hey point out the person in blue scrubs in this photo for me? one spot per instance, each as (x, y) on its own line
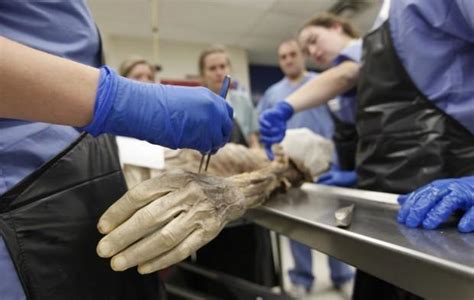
(443, 76)
(415, 117)
(331, 42)
(54, 181)
(415, 106)
(320, 40)
(292, 64)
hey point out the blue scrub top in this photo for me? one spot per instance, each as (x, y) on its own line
(316, 119)
(345, 108)
(63, 28)
(435, 43)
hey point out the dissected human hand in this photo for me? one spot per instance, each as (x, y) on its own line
(232, 159)
(163, 220)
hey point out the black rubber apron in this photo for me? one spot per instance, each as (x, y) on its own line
(345, 141)
(405, 141)
(49, 219)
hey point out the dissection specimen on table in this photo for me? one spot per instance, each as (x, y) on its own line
(163, 220)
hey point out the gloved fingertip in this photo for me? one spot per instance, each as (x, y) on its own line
(412, 221)
(410, 224)
(465, 228)
(405, 208)
(400, 218)
(402, 199)
(269, 152)
(466, 224)
(430, 223)
(324, 177)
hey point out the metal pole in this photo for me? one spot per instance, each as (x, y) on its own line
(155, 30)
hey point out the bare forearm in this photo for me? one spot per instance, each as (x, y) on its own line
(37, 86)
(325, 87)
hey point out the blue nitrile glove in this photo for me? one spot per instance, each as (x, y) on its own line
(171, 116)
(434, 203)
(338, 177)
(273, 125)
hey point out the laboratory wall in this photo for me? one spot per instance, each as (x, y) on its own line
(178, 59)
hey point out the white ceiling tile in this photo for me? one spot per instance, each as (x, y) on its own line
(249, 4)
(301, 8)
(276, 25)
(256, 25)
(207, 17)
(190, 34)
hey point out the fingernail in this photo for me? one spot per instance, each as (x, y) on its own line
(104, 249)
(103, 227)
(119, 263)
(144, 269)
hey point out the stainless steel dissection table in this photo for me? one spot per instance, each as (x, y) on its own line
(435, 264)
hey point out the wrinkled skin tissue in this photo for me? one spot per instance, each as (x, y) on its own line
(163, 220)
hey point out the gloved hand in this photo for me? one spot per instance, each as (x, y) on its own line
(337, 177)
(171, 116)
(273, 125)
(432, 204)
